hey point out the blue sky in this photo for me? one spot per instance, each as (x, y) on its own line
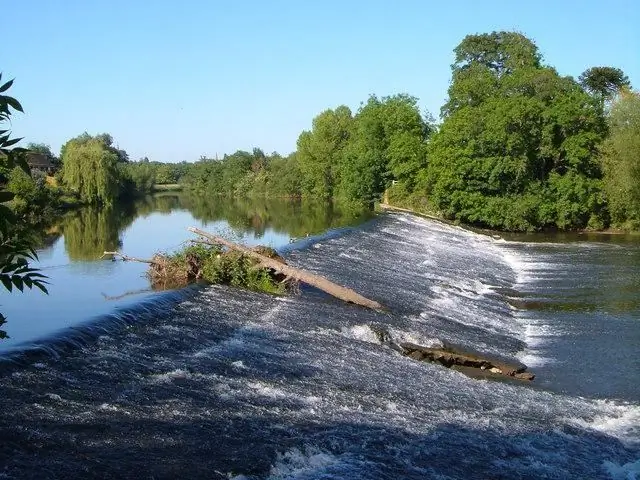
(176, 80)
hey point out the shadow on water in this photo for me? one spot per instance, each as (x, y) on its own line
(165, 449)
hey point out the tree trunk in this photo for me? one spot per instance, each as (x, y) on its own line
(321, 283)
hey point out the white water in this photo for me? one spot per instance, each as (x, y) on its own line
(241, 385)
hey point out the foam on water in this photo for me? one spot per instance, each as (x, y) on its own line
(249, 386)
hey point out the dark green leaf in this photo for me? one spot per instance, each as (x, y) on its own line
(12, 142)
(17, 281)
(6, 282)
(12, 102)
(6, 86)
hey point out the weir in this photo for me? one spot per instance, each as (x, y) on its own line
(235, 384)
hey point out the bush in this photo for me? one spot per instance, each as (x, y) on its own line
(212, 264)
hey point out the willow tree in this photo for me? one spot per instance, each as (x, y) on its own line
(90, 168)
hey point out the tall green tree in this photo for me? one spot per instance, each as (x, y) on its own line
(621, 161)
(320, 151)
(388, 143)
(15, 251)
(604, 82)
(90, 168)
(517, 146)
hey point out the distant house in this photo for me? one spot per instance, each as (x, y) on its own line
(39, 161)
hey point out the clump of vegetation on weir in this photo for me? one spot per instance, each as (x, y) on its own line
(212, 264)
(215, 259)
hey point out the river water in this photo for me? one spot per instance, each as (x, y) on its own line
(232, 384)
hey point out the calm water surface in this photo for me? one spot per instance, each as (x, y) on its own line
(82, 286)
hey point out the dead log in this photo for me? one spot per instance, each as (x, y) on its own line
(321, 283)
(451, 358)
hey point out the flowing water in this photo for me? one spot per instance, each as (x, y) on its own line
(234, 384)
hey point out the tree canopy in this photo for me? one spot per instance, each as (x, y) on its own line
(604, 82)
(90, 167)
(621, 161)
(517, 146)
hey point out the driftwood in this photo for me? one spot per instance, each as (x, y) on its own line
(452, 358)
(473, 364)
(321, 283)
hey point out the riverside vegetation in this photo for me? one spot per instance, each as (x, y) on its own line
(519, 147)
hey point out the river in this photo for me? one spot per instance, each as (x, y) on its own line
(84, 288)
(225, 383)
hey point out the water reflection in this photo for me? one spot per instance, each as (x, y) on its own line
(91, 231)
(296, 218)
(82, 287)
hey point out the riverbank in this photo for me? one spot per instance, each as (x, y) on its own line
(428, 213)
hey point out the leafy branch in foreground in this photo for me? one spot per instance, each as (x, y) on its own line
(15, 254)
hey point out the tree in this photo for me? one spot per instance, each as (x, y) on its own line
(604, 82)
(621, 161)
(320, 151)
(387, 143)
(90, 168)
(517, 146)
(15, 252)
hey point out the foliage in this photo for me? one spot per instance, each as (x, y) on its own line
(212, 264)
(388, 144)
(245, 174)
(136, 179)
(604, 82)
(90, 168)
(621, 161)
(321, 150)
(15, 253)
(517, 146)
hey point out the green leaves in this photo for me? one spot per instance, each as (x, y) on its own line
(620, 157)
(15, 270)
(515, 136)
(6, 86)
(15, 254)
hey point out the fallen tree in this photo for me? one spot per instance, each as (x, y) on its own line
(215, 259)
(321, 283)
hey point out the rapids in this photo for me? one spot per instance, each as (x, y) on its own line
(234, 384)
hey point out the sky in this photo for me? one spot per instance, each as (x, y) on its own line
(176, 80)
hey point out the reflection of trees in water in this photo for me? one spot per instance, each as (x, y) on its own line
(293, 217)
(163, 203)
(91, 230)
